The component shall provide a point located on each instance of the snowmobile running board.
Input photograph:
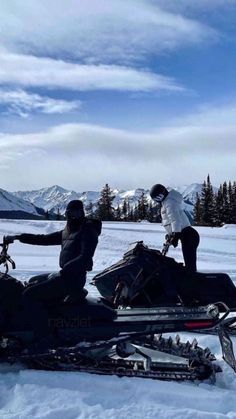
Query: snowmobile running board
(229, 325)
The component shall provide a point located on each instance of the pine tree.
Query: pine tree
(129, 212)
(154, 213)
(225, 204)
(142, 207)
(135, 213)
(233, 204)
(105, 210)
(124, 209)
(131, 215)
(203, 201)
(150, 213)
(208, 203)
(231, 199)
(219, 206)
(118, 213)
(197, 212)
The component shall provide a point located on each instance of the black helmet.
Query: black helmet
(75, 210)
(158, 192)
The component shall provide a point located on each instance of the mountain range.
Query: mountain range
(34, 204)
(12, 206)
(56, 198)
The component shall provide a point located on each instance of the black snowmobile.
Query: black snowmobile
(98, 338)
(148, 278)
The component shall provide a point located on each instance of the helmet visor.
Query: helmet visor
(159, 198)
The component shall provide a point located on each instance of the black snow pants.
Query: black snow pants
(190, 240)
(46, 288)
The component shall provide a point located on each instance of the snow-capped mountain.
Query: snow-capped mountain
(132, 196)
(50, 199)
(190, 192)
(11, 205)
(56, 198)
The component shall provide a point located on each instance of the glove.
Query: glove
(9, 239)
(174, 239)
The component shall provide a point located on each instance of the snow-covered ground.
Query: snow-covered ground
(28, 394)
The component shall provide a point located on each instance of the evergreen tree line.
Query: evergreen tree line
(216, 208)
(105, 211)
(211, 208)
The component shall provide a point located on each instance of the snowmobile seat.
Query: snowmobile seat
(74, 299)
(97, 309)
(212, 287)
(90, 307)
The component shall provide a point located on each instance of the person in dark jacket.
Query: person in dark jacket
(78, 242)
(176, 223)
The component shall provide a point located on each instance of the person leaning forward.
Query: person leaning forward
(176, 223)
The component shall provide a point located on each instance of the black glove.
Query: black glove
(174, 239)
(10, 239)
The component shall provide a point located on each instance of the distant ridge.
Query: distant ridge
(55, 198)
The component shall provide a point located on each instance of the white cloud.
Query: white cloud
(23, 103)
(209, 116)
(81, 156)
(98, 41)
(96, 30)
(26, 70)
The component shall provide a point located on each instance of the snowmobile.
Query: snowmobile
(98, 338)
(149, 278)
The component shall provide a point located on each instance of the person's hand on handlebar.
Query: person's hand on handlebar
(174, 239)
(9, 239)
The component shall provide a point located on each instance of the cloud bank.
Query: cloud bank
(98, 31)
(51, 73)
(88, 46)
(83, 156)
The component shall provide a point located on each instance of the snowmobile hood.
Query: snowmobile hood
(175, 196)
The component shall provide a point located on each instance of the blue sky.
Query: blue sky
(128, 92)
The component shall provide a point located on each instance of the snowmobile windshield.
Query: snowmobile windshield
(132, 246)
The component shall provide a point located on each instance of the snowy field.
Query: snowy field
(28, 394)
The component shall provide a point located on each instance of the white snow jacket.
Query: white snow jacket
(173, 216)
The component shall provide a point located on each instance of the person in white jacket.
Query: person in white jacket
(176, 223)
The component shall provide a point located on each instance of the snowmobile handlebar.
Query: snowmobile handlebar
(166, 245)
(5, 258)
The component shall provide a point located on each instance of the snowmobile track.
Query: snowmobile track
(196, 364)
